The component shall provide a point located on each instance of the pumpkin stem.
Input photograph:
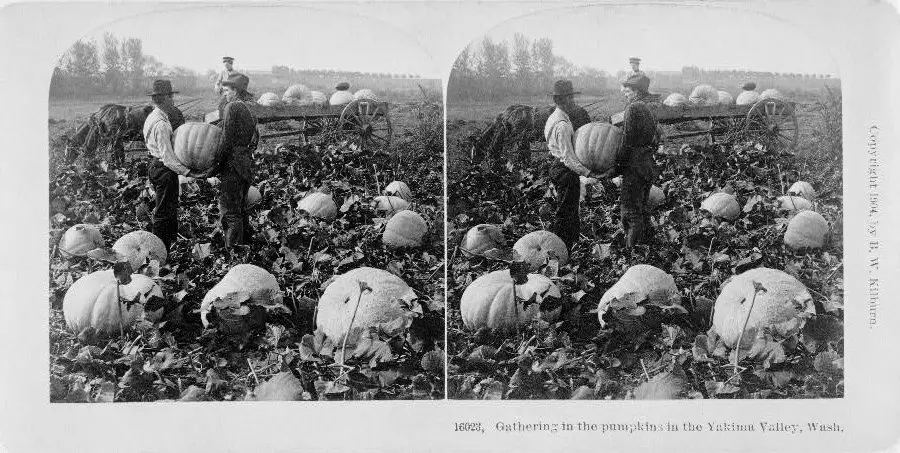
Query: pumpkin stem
(119, 303)
(737, 349)
(347, 335)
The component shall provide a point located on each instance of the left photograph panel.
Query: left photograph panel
(249, 212)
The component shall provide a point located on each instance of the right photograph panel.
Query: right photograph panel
(639, 208)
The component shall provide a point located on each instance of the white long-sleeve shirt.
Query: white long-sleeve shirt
(158, 139)
(561, 141)
(223, 76)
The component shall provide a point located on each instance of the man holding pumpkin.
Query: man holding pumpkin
(635, 160)
(560, 134)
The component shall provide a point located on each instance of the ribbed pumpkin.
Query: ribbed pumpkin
(253, 196)
(722, 206)
(384, 303)
(704, 95)
(806, 230)
(640, 283)
(80, 239)
(270, 100)
(256, 282)
(597, 145)
(319, 204)
(297, 91)
(341, 98)
(771, 93)
(782, 308)
(196, 145)
(389, 205)
(747, 98)
(675, 100)
(365, 93)
(793, 204)
(725, 98)
(803, 189)
(137, 247)
(536, 246)
(97, 300)
(405, 229)
(399, 189)
(481, 238)
(488, 301)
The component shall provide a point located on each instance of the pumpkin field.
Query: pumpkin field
(739, 293)
(197, 324)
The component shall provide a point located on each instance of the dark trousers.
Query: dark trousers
(233, 214)
(567, 224)
(634, 201)
(165, 214)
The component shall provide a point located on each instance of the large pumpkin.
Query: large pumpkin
(481, 238)
(197, 144)
(97, 300)
(493, 301)
(80, 239)
(383, 303)
(725, 98)
(365, 93)
(318, 204)
(317, 98)
(405, 229)
(257, 283)
(793, 204)
(806, 230)
(399, 189)
(270, 100)
(597, 145)
(341, 98)
(641, 283)
(704, 95)
(536, 247)
(782, 308)
(297, 91)
(389, 205)
(747, 98)
(137, 247)
(675, 100)
(722, 206)
(803, 189)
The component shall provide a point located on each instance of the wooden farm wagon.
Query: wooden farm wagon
(772, 122)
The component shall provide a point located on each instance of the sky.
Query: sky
(258, 38)
(667, 37)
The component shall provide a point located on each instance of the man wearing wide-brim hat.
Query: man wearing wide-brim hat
(635, 160)
(560, 134)
(235, 161)
(164, 166)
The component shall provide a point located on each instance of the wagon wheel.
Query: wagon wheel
(774, 123)
(366, 123)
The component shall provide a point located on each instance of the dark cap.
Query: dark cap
(237, 80)
(161, 87)
(343, 86)
(749, 86)
(563, 88)
(634, 60)
(227, 59)
(637, 82)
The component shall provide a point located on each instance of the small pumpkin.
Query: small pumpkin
(481, 238)
(536, 247)
(704, 95)
(722, 206)
(389, 205)
(98, 300)
(284, 386)
(318, 204)
(388, 299)
(725, 98)
(640, 284)
(493, 301)
(137, 247)
(781, 309)
(747, 98)
(656, 196)
(270, 100)
(317, 98)
(675, 100)
(341, 98)
(597, 145)
(806, 230)
(253, 196)
(197, 144)
(803, 189)
(405, 229)
(791, 203)
(663, 386)
(771, 93)
(80, 239)
(258, 285)
(399, 189)
(366, 93)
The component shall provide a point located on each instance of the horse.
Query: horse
(518, 125)
(108, 127)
